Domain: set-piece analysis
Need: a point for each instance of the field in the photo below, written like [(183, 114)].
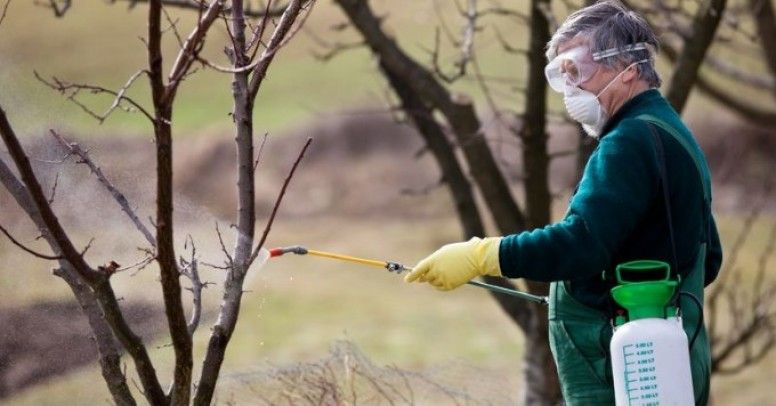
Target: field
[(347, 198)]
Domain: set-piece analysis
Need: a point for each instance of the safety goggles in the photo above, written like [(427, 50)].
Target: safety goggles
[(577, 65)]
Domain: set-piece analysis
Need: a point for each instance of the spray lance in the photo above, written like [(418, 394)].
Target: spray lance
[(398, 269)]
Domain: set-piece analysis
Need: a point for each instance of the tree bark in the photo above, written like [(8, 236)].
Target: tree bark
[(686, 70), (180, 391), (542, 386), (246, 214)]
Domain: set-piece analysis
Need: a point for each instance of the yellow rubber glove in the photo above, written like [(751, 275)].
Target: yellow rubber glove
[(455, 264)]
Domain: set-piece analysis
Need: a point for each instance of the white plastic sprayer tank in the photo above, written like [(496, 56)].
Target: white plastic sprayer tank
[(650, 354)]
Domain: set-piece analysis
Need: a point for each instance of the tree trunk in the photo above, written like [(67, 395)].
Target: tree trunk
[(686, 70), (541, 380)]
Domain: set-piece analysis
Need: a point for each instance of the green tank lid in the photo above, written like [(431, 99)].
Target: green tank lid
[(645, 288)]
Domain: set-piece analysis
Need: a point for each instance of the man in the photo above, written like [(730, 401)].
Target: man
[(602, 60)]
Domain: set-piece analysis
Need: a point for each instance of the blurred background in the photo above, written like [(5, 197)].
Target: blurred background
[(367, 187)]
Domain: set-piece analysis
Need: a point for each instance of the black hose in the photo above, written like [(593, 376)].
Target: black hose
[(700, 315)]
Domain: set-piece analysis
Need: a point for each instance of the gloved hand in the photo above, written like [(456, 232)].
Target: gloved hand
[(455, 264)]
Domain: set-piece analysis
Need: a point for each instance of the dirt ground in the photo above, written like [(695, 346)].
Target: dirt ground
[(44, 340)]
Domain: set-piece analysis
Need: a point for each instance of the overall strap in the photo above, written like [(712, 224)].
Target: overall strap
[(661, 160), (661, 164), (705, 181)]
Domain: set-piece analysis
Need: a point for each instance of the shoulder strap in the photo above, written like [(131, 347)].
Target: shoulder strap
[(705, 181), (661, 164)]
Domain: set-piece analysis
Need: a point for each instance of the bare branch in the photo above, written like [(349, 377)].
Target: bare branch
[(688, 63), (74, 148), (163, 97), (443, 24), (437, 70), (261, 149), (308, 8), (28, 250), (73, 89), (467, 44), (258, 33), (740, 75), (279, 200), (189, 268), (59, 10), (5, 11), (765, 21), (88, 245), (754, 113), (53, 190), (139, 265), (31, 182), (190, 49), (197, 5), (505, 12), (546, 11), (506, 46), (230, 260), (173, 27), (275, 43), (332, 48)]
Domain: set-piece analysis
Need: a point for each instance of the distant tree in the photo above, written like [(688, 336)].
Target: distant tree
[(250, 53)]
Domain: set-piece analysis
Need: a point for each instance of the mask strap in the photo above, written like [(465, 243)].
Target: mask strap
[(618, 75)]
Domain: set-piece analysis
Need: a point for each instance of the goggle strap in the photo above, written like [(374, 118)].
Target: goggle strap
[(597, 56)]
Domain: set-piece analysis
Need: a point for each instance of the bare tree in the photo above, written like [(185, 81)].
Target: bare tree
[(249, 63)]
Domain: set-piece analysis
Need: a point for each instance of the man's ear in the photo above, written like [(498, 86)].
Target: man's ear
[(630, 74)]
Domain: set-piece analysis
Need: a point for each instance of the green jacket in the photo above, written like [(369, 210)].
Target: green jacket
[(617, 212)]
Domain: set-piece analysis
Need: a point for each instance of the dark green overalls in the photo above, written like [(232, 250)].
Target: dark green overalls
[(616, 215)]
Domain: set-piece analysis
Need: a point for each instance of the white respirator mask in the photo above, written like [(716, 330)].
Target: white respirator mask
[(570, 69)]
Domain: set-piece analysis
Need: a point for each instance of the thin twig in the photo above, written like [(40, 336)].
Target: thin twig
[(261, 149), (54, 189), (5, 10), (278, 201), (140, 265), (173, 26), (28, 250), (308, 7), (189, 268), (258, 34), (190, 49), (198, 5), (224, 69), (88, 245), (59, 11), (75, 149), (74, 89), (230, 261)]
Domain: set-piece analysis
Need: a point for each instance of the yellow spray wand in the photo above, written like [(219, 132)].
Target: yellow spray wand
[(398, 269)]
